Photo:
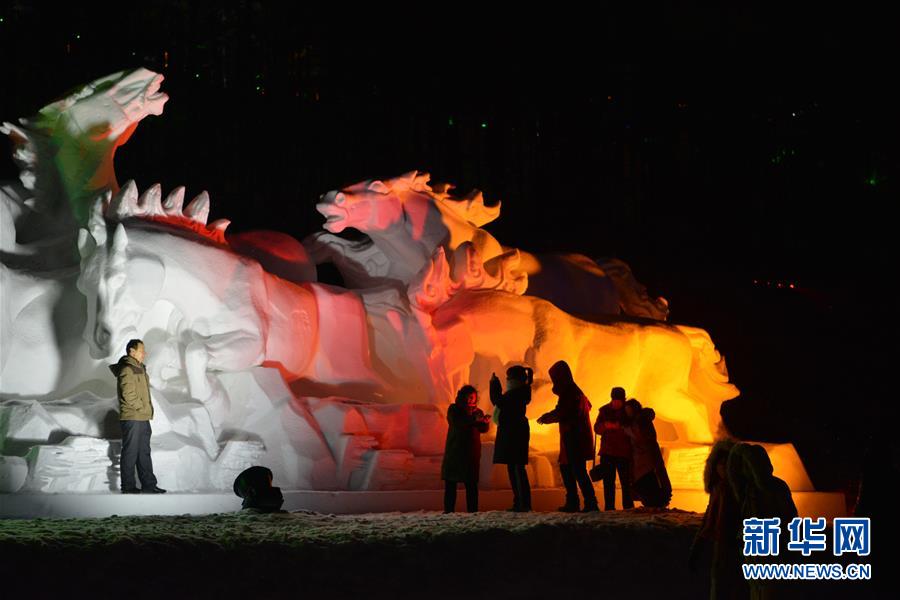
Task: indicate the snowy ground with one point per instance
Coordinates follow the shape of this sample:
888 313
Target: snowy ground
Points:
634 554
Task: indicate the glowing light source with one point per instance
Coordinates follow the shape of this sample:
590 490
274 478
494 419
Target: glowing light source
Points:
484 125
873 180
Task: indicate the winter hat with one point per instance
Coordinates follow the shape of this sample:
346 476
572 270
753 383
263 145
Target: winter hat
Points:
520 373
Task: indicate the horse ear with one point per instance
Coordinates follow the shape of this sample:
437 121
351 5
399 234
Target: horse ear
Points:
378 186
420 181
119 244
86 243
96 218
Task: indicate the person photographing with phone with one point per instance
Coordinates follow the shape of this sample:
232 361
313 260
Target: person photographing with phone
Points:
615 450
513 433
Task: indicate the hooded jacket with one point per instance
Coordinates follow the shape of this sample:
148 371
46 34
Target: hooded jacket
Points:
573 413
759 493
133 390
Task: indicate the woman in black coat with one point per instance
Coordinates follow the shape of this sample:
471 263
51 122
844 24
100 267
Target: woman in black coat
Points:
462 452
511 445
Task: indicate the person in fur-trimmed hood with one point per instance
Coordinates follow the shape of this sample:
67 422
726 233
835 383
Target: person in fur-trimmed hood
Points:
761 495
721 529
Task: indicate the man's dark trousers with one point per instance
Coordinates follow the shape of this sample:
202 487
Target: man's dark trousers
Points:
136 451
611 465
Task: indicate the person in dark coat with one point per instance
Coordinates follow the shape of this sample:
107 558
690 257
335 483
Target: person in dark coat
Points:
511 445
721 529
761 495
462 452
615 450
649 479
576 442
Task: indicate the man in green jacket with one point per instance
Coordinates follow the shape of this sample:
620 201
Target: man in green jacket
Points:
135 412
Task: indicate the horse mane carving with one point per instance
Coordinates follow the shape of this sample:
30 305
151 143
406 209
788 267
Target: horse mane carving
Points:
469 208
149 206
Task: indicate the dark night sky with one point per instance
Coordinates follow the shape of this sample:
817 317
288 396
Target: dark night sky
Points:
707 147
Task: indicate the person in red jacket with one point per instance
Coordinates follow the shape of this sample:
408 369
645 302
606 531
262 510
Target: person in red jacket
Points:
615 450
576 442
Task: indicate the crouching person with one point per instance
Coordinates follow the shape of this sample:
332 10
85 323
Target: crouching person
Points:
254 485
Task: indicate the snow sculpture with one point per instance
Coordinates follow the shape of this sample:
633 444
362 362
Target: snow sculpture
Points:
65 155
252 361
406 220
481 332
